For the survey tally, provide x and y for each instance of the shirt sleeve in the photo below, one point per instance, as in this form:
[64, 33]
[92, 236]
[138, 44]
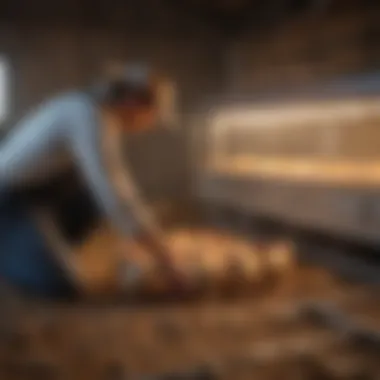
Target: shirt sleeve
[85, 141]
[22, 148]
[123, 180]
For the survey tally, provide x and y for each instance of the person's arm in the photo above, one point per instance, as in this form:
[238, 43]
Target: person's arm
[24, 145]
[125, 186]
[110, 182]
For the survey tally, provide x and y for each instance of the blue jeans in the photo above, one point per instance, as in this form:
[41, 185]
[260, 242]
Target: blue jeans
[25, 259]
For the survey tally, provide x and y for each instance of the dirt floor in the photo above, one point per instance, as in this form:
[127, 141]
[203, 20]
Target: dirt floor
[309, 326]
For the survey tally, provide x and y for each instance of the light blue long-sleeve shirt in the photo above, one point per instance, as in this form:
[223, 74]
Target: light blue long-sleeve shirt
[62, 132]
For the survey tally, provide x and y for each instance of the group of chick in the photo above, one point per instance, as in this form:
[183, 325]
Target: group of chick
[212, 263]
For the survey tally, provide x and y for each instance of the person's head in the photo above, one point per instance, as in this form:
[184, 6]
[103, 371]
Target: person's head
[131, 95]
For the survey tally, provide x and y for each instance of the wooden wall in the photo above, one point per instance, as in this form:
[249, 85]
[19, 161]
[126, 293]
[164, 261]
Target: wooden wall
[304, 50]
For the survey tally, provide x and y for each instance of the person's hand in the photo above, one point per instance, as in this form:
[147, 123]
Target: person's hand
[165, 257]
[177, 277]
[173, 280]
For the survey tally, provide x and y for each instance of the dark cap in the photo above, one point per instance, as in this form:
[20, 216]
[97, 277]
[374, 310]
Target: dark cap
[138, 75]
[137, 82]
[125, 82]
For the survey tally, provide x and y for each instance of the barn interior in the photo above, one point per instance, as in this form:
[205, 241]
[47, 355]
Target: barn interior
[266, 183]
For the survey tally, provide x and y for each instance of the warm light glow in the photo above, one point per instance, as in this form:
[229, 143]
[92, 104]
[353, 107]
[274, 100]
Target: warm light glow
[289, 115]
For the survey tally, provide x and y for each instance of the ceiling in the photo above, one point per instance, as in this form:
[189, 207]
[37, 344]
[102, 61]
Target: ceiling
[236, 15]
[230, 16]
